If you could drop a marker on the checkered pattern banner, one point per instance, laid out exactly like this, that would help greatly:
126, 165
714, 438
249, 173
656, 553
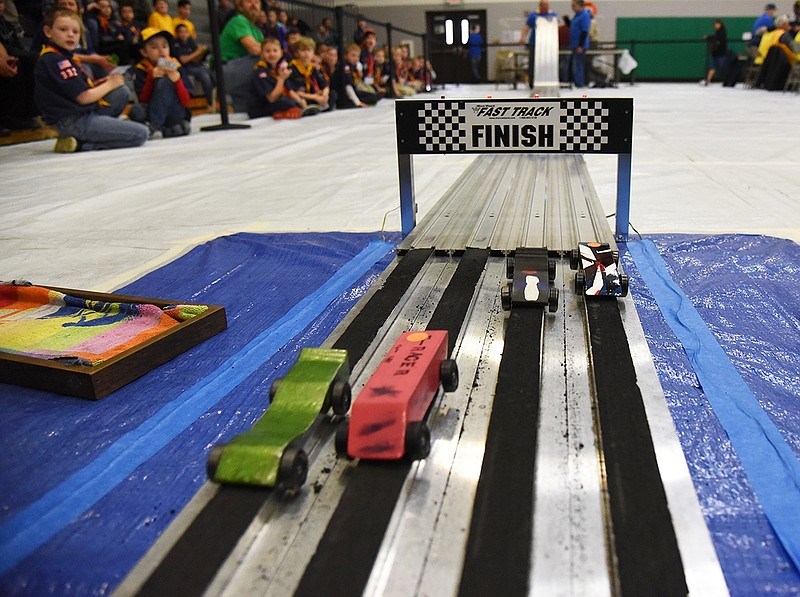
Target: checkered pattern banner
584, 126
545, 125
442, 126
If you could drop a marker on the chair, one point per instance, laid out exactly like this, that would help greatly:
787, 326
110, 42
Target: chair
793, 80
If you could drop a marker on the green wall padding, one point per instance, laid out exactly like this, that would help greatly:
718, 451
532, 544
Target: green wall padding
682, 59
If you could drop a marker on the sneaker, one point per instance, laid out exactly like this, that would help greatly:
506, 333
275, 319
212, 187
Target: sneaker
178, 130
66, 145
154, 132
290, 114
311, 109
703, 82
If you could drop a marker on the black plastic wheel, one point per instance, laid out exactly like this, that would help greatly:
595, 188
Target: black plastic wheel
273, 388
340, 440
341, 395
615, 255
623, 282
505, 297
510, 267
418, 440
552, 301
214, 457
448, 370
575, 259
551, 269
580, 282
293, 468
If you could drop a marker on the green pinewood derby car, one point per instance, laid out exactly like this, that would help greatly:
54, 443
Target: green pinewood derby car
271, 453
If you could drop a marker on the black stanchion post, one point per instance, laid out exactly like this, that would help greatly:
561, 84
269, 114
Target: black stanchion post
339, 15
221, 95
426, 55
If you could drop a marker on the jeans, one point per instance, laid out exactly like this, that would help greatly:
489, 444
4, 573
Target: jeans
259, 108
164, 108
238, 74
201, 73
475, 67
102, 129
578, 68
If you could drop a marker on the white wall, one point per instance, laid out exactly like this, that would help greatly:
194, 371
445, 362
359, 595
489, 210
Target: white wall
501, 15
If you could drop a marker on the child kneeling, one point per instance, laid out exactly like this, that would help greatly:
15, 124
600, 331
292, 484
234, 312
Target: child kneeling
158, 80
84, 112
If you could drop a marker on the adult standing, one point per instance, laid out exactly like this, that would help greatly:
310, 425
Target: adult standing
762, 23
530, 28
240, 47
475, 45
717, 50
361, 30
563, 44
794, 20
579, 41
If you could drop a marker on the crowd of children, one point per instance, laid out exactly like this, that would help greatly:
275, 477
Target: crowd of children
300, 77
94, 60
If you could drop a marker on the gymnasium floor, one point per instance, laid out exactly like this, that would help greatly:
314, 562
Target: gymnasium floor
706, 162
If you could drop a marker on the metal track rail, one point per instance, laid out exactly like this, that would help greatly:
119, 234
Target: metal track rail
545, 475
502, 202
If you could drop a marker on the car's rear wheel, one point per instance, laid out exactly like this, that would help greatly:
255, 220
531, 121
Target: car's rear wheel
418, 440
505, 297
340, 441
580, 282
212, 463
341, 395
273, 388
552, 301
448, 371
293, 468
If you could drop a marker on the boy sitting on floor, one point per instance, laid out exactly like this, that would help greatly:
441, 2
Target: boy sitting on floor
306, 80
355, 93
191, 55
84, 112
270, 95
163, 95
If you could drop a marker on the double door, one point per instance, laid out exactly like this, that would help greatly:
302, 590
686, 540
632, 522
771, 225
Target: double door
448, 32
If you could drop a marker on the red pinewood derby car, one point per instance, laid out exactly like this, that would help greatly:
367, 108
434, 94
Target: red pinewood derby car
387, 420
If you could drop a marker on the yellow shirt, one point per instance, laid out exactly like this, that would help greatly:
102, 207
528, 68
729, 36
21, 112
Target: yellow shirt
769, 39
161, 22
189, 25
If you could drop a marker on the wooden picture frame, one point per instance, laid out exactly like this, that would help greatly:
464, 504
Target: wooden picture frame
95, 382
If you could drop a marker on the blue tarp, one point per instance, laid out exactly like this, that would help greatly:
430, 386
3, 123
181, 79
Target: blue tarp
47, 439
745, 290
743, 287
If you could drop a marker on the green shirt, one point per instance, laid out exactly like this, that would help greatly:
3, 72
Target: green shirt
235, 29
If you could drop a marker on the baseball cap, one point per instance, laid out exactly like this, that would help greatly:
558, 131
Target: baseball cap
150, 32
770, 6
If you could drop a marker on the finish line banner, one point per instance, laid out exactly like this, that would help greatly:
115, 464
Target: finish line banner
552, 125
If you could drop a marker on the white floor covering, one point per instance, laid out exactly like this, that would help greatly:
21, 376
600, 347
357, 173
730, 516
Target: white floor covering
705, 160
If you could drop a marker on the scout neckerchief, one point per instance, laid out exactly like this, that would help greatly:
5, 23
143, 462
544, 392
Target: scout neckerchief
312, 86
369, 69
272, 70
104, 23
401, 70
